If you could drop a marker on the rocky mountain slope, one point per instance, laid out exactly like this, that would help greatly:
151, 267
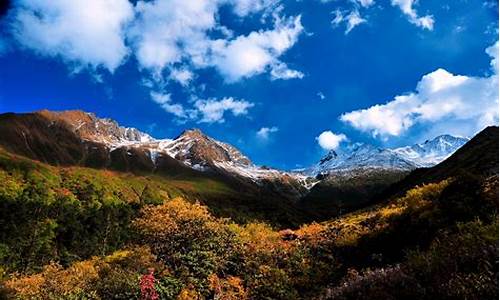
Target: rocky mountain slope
80, 138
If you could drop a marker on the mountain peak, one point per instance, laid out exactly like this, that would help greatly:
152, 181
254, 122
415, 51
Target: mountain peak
92, 128
197, 149
192, 132
445, 138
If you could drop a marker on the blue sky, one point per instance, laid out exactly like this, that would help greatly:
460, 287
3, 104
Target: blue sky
284, 81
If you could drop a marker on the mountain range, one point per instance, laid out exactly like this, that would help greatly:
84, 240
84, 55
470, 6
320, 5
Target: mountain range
342, 180
200, 152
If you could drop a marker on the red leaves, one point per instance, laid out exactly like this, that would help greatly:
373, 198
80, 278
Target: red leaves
147, 285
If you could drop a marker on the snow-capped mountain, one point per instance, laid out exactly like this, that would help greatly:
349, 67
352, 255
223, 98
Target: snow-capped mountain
193, 148
201, 152
432, 152
364, 156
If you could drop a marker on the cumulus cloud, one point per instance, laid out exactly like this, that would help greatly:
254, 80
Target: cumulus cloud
351, 19
264, 132
171, 41
455, 104
329, 140
245, 7
177, 31
165, 32
182, 76
281, 71
81, 32
406, 6
255, 53
213, 110
365, 3
165, 101
175, 35
202, 110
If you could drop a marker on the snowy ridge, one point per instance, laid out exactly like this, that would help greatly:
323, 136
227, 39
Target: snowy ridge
360, 156
192, 147
432, 152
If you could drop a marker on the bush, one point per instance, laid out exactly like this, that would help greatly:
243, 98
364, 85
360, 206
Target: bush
460, 264
112, 277
190, 241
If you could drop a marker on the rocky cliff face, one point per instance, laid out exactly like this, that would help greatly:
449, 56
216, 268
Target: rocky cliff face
200, 151
91, 128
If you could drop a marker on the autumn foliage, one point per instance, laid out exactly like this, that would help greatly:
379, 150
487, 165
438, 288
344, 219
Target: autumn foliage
72, 234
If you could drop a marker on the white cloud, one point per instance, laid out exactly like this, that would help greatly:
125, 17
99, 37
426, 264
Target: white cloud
245, 7
454, 104
213, 110
182, 76
264, 132
281, 71
174, 35
254, 53
165, 32
81, 32
329, 140
165, 101
406, 6
351, 19
202, 111
492, 51
177, 32
365, 3
321, 95
339, 17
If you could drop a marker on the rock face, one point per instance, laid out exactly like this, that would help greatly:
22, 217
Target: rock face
91, 128
200, 151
